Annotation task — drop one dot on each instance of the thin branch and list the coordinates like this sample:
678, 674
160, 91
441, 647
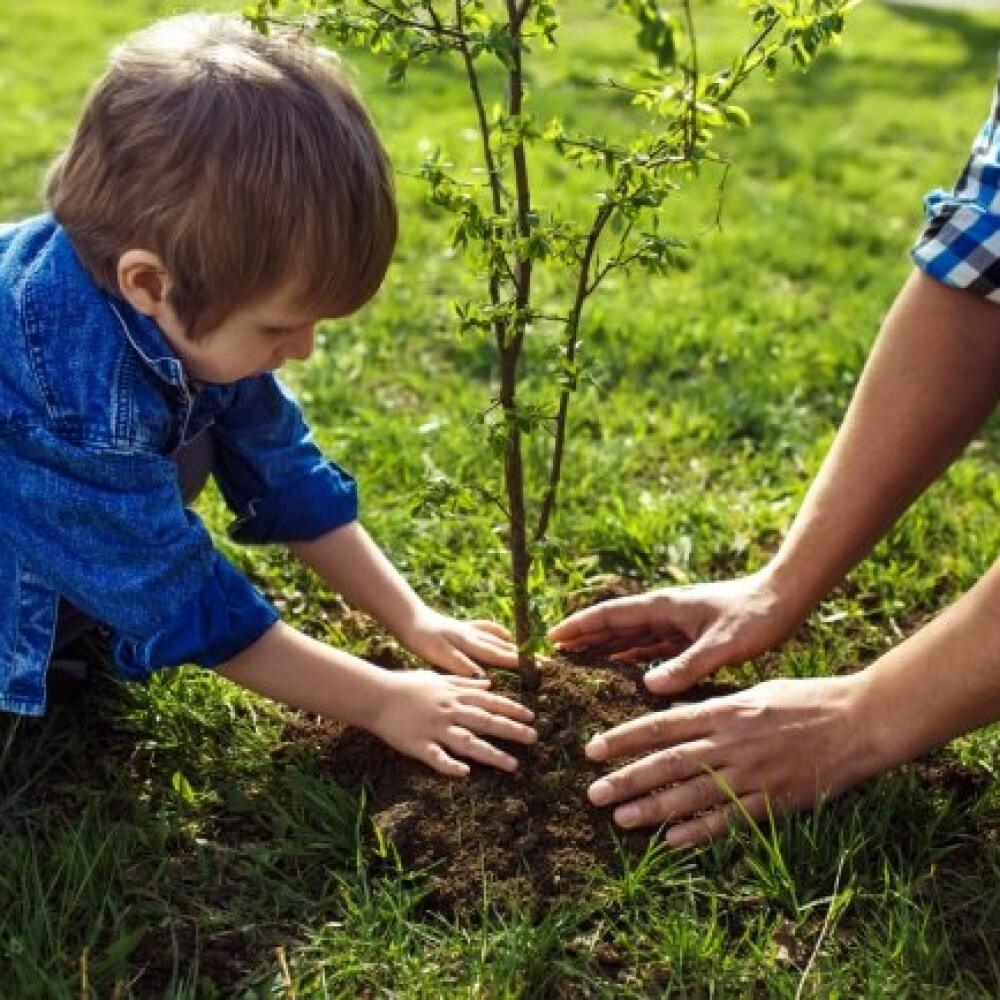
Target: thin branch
517, 16
493, 173
604, 213
435, 28
616, 261
722, 192
693, 123
746, 66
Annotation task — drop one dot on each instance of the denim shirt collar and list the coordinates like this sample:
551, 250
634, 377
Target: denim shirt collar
78, 287
148, 342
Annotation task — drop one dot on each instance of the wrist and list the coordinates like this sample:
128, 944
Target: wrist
888, 729
379, 692
410, 621
795, 586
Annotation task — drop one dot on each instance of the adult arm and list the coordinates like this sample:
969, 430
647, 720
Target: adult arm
931, 380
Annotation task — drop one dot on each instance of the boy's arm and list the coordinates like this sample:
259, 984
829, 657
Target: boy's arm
419, 713
352, 564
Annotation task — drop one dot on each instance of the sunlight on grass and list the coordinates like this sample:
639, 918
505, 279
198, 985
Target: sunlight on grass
169, 841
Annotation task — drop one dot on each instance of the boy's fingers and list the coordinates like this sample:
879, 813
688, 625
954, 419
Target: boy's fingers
499, 726
478, 683
469, 745
498, 704
442, 762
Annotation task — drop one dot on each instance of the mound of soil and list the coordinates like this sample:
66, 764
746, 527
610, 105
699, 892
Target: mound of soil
532, 834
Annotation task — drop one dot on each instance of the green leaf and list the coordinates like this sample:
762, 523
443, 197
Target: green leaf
182, 788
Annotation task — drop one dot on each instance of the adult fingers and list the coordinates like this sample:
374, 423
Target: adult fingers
488, 650
608, 640
477, 683
654, 771
652, 732
613, 615
498, 704
703, 657
500, 726
495, 628
685, 799
456, 662
657, 646
440, 760
715, 823
469, 745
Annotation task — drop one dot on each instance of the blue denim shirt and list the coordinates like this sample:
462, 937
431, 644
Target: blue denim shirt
93, 401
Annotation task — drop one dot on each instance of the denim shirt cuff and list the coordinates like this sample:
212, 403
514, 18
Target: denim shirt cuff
325, 499
226, 616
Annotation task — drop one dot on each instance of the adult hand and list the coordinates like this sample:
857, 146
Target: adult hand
432, 718
458, 646
781, 745
698, 628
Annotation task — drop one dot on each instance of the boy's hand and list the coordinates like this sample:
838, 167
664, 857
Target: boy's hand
430, 717
456, 646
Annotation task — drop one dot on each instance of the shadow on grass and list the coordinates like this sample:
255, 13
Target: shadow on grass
136, 864
841, 77
152, 849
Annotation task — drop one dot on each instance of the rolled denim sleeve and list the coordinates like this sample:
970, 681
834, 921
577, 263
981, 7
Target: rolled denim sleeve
271, 473
108, 530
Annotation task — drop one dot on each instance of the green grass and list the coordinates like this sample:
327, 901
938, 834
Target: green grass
160, 825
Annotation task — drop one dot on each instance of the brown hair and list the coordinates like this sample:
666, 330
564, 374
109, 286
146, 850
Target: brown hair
243, 161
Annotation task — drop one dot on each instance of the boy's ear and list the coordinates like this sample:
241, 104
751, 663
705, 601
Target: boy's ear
143, 281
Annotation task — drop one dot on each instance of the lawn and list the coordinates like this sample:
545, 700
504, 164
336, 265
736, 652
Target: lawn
183, 840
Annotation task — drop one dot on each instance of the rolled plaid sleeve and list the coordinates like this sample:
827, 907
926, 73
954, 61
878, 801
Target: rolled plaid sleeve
271, 473
960, 243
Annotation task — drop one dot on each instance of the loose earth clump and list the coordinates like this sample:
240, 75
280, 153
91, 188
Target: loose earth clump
532, 835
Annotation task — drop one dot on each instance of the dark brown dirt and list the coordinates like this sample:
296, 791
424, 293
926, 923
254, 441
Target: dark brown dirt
531, 835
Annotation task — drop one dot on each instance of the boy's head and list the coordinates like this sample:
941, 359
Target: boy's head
219, 174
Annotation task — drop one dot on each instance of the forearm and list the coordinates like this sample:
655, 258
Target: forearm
349, 562
942, 682
931, 380
300, 672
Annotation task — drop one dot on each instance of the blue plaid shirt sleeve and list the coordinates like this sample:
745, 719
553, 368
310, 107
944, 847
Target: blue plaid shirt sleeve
960, 243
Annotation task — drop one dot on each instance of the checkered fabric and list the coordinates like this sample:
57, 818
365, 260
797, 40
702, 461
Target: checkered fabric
960, 244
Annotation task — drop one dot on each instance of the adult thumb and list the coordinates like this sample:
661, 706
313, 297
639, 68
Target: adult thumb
701, 658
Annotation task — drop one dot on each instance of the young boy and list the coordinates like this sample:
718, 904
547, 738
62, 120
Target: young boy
222, 193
